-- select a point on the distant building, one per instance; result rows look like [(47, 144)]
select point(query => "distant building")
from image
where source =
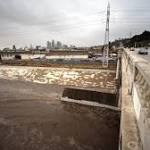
[(72, 46), (49, 45), (65, 46), (6, 49), (59, 45), (31, 47), (14, 47), (67, 55), (53, 44), (26, 48)]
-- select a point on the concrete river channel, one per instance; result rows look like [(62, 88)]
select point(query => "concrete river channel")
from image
[(43, 108)]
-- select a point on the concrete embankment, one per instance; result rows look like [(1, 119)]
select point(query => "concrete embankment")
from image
[(33, 116), (87, 78)]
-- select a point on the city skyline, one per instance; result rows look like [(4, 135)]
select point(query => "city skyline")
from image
[(74, 22), (50, 44)]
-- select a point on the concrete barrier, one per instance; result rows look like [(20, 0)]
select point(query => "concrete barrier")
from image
[(91, 96), (138, 78)]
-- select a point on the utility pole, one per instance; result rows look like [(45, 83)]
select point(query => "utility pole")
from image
[(106, 42)]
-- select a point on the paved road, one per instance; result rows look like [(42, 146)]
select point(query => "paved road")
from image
[(33, 118), (146, 57)]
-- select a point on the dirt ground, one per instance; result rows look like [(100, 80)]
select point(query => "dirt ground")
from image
[(33, 118), (58, 64)]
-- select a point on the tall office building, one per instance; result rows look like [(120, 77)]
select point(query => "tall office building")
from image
[(49, 45), (59, 45), (53, 44)]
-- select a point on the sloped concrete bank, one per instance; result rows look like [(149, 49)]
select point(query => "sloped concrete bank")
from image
[(88, 78)]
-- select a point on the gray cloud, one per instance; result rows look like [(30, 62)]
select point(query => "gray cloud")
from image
[(80, 22)]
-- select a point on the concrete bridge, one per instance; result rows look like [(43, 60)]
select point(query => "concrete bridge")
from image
[(135, 117)]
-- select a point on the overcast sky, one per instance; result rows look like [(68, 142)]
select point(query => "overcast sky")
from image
[(78, 22)]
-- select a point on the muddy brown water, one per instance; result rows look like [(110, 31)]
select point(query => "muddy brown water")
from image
[(33, 118)]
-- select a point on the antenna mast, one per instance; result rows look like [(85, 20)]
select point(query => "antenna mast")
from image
[(106, 42)]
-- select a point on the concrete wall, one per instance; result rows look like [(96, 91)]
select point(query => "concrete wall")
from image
[(31, 56), (138, 76), (67, 57), (34, 56), (92, 96)]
